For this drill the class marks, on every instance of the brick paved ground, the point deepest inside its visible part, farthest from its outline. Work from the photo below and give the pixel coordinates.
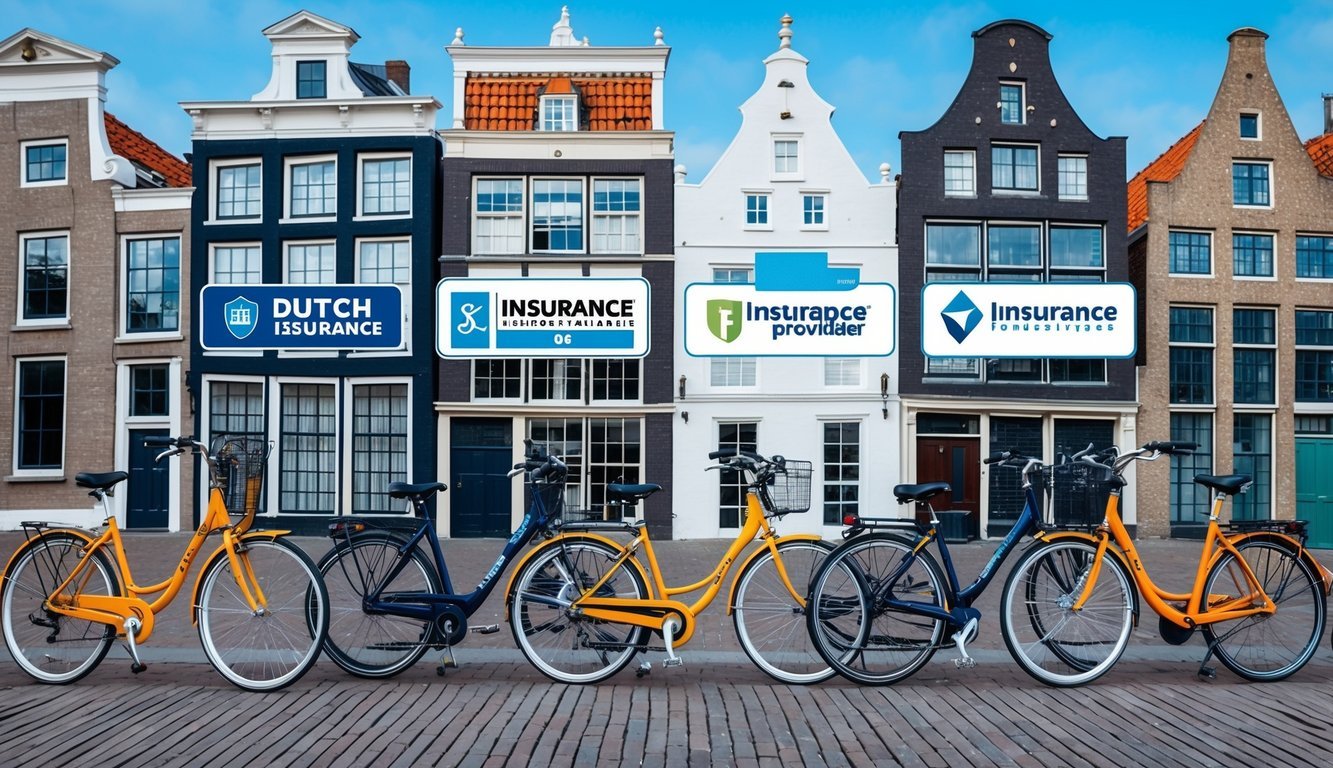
(716, 710)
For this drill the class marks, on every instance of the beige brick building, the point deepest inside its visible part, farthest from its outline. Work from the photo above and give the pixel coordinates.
(1231, 249)
(94, 244)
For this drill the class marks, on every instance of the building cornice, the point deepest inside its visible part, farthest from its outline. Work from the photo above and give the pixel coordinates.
(564, 145)
(152, 199)
(532, 60)
(371, 115)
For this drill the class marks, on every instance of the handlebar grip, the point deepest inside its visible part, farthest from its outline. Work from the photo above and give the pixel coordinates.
(159, 441)
(730, 452)
(1171, 446)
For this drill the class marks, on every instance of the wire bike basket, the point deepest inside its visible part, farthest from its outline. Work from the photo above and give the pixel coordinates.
(1078, 494)
(241, 465)
(787, 490)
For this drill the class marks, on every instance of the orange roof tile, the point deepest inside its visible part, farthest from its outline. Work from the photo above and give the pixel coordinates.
(134, 146)
(1321, 152)
(510, 103)
(1166, 167)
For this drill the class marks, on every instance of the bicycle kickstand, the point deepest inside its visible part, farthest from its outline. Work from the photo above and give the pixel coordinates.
(961, 639)
(132, 626)
(1205, 671)
(447, 661)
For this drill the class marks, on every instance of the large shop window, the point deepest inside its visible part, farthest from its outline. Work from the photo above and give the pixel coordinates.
(379, 446)
(598, 451)
(1006, 492)
(308, 449)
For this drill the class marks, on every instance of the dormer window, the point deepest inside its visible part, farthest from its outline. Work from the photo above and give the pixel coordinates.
(1249, 125)
(560, 113)
(311, 82)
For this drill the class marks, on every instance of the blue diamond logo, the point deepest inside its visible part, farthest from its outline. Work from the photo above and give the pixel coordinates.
(961, 317)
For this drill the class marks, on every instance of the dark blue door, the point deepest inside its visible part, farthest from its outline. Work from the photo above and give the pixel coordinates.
(480, 455)
(147, 497)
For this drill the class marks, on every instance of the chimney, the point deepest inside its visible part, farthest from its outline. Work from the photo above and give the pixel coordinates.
(1328, 113)
(400, 73)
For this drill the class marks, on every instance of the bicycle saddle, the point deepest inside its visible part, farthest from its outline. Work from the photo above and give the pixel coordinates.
(103, 480)
(399, 490)
(919, 492)
(1228, 484)
(630, 493)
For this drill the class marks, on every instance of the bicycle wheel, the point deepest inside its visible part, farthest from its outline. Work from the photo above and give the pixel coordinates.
(1049, 639)
(1267, 648)
(375, 645)
(770, 623)
(570, 648)
(270, 648)
(50, 647)
(854, 630)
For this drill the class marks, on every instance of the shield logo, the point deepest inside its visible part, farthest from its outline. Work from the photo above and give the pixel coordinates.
(242, 316)
(724, 319)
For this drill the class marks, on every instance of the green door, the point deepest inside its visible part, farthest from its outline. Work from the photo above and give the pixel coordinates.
(1314, 488)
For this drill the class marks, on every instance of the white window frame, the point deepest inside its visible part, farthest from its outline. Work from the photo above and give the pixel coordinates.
(1258, 116)
(593, 216)
(213, 248)
(286, 275)
(522, 384)
(1212, 254)
(123, 324)
(732, 366)
(1211, 406)
(29, 474)
(288, 165)
(788, 175)
(843, 365)
(824, 483)
(521, 215)
(746, 194)
(1003, 191)
(347, 425)
(24, 146)
(569, 118)
(1059, 172)
(215, 172)
(822, 194)
(273, 406)
(376, 157)
(22, 281)
(971, 156)
(530, 209)
(1272, 237)
(1272, 346)
(406, 346)
(1272, 186)
(1022, 102)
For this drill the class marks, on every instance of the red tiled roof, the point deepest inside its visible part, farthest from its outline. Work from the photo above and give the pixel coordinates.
(1165, 168)
(510, 103)
(1321, 152)
(137, 148)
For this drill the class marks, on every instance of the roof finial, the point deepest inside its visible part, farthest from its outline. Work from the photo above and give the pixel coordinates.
(561, 32)
(784, 34)
(458, 37)
(658, 37)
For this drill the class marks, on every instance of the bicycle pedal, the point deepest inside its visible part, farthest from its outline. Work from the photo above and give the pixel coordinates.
(1208, 673)
(644, 668)
(676, 662)
(136, 667)
(968, 663)
(488, 629)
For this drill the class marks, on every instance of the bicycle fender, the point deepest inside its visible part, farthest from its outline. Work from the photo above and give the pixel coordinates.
(1049, 536)
(77, 533)
(731, 593)
(222, 552)
(522, 561)
(1325, 576)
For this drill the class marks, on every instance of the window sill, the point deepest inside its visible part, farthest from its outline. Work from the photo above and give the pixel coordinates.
(1015, 192)
(44, 184)
(961, 195)
(146, 338)
(1256, 278)
(1064, 199)
(239, 220)
(57, 477)
(322, 219)
(382, 216)
(58, 326)
(758, 227)
(1192, 275)
(1315, 280)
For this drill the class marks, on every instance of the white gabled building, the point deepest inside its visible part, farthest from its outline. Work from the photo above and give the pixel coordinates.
(786, 184)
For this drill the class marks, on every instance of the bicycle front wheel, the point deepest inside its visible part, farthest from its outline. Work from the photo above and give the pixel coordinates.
(268, 648)
(374, 644)
(562, 645)
(1050, 640)
(1267, 648)
(51, 647)
(770, 618)
(853, 620)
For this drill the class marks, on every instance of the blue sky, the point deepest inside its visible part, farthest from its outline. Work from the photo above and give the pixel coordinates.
(1147, 71)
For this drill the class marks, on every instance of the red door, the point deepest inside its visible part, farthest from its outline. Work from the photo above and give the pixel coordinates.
(955, 460)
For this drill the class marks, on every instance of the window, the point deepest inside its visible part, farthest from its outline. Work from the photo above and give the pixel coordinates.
(308, 449)
(733, 275)
(1011, 104)
(616, 216)
(559, 113)
(149, 390)
(615, 379)
(45, 288)
(1249, 125)
(953, 252)
(842, 371)
(1191, 340)
(1314, 355)
(756, 210)
(1007, 433)
(379, 446)
(743, 436)
(40, 443)
(44, 163)
(1014, 168)
(386, 186)
(842, 470)
(310, 80)
(1249, 183)
(237, 408)
(557, 215)
(812, 207)
(731, 371)
(1076, 248)
(1013, 246)
(314, 189)
(236, 265)
(388, 262)
(239, 195)
(1314, 256)
(311, 264)
(786, 156)
(1252, 254)
(1254, 357)
(495, 379)
(1191, 503)
(557, 380)
(609, 380)
(1073, 172)
(598, 451)
(1252, 434)
(960, 172)
(153, 282)
(1191, 253)
(499, 216)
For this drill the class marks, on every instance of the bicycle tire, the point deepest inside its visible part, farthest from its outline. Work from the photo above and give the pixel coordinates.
(273, 648)
(855, 633)
(769, 623)
(50, 647)
(1052, 642)
(557, 643)
(1267, 648)
(375, 645)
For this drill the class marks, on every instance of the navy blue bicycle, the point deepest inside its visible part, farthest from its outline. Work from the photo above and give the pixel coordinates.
(390, 603)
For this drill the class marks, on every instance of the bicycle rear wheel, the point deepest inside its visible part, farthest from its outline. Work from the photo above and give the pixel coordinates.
(770, 622)
(375, 645)
(853, 628)
(565, 647)
(273, 647)
(1267, 648)
(1050, 640)
(51, 647)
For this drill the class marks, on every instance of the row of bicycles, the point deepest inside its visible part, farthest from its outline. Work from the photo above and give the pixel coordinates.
(587, 596)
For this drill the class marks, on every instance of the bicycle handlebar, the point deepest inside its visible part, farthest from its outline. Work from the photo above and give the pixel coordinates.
(1171, 447)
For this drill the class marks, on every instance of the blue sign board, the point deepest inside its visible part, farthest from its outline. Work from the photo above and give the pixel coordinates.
(349, 317)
